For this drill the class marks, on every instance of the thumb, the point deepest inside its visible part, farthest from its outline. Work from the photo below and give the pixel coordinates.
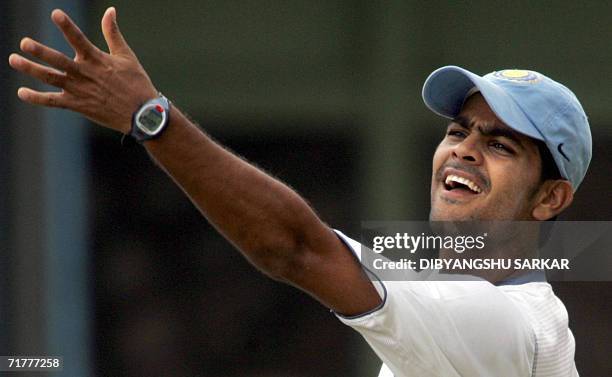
(114, 39)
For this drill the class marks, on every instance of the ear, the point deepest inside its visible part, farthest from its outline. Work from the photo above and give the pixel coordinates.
(553, 197)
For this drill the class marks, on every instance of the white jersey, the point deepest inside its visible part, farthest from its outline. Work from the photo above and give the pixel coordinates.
(467, 329)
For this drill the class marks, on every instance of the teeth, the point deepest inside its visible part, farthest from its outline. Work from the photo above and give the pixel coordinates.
(473, 186)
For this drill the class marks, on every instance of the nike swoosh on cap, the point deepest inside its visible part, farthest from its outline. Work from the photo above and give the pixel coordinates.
(561, 151)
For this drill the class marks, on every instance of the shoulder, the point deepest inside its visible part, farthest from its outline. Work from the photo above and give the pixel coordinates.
(438, 326)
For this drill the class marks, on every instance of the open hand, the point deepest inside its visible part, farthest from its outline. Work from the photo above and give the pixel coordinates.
(105, 87)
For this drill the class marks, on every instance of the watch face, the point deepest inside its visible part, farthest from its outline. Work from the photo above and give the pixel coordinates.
(151, 118)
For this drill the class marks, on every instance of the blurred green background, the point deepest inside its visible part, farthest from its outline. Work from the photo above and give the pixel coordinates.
(107, 263)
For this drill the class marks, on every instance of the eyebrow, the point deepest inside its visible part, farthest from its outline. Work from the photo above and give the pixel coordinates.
(490, 129)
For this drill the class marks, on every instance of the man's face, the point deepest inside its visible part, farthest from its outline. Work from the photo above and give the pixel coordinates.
(482, 169)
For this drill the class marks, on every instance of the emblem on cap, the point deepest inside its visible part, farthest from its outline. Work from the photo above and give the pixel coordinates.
(518, 75)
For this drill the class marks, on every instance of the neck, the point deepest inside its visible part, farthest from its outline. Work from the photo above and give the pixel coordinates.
(507, 245)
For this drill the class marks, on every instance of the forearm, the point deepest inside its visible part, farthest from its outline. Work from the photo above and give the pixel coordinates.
(262, 217)
(267, 221)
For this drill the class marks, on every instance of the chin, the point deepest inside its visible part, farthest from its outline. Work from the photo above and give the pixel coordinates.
(442, 211)
(442, 215)
(456, 212)
(451, 218)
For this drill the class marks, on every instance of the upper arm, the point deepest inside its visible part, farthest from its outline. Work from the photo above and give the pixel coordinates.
(328, 270)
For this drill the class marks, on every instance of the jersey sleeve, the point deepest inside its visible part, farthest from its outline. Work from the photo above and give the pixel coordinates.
(445, 328)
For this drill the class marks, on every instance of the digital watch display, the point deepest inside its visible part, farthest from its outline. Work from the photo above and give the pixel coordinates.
(151, 119)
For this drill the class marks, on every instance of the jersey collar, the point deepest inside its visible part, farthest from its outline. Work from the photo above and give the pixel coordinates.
(538, 276)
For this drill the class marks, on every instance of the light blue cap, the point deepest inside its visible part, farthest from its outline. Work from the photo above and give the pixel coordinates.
(526, 101)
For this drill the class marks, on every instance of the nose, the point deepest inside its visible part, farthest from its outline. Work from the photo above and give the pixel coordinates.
(468, 150)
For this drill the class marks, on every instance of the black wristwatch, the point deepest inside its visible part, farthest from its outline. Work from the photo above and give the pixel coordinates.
(151, 119)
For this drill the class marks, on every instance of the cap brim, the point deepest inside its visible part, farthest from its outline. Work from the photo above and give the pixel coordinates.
(446, 89)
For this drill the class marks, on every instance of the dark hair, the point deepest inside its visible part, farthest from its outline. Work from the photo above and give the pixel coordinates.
(549, 166)
(549, 171)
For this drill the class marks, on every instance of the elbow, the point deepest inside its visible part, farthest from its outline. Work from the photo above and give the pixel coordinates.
(283, 264)
(284, 251)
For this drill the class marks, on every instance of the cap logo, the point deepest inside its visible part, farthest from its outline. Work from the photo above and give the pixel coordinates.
(518, 75)
(561, 151)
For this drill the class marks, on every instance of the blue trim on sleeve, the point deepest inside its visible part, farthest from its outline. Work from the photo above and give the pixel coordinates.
(370, 273)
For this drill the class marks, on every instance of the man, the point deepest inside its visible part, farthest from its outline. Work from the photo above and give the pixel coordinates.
(489, 166)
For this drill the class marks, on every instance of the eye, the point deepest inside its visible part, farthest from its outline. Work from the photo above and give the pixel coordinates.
(501, 147)
(456, 133)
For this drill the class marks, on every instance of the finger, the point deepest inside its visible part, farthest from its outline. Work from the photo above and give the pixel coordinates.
(75, 37)
(52, 57)
(114, 39)
(45, 74)
(50, 99)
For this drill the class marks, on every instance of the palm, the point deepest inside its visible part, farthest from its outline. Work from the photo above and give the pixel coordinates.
(105, 87)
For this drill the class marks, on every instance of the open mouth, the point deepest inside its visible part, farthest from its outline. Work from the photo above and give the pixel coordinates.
(461, 184)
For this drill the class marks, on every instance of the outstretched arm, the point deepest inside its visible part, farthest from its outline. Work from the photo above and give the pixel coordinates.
(267, 221)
